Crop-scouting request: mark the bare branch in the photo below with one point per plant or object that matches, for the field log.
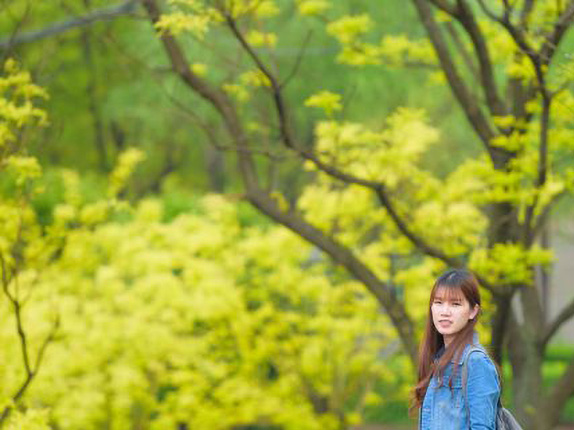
(49, 339)
(297, 61)
(519, 37)
(16, 30)
(125, 8)
(462, 50)
(542, 166)
(21, 335)
(561, 318)
(541, 219)
(555, 37)
(445, 6)
(30, 371)
(468, 21)
(525, 13)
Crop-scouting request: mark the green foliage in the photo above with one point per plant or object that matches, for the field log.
(185, 301)
(158, 327)
(202, 318)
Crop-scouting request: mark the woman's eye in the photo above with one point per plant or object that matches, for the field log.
(456, 304)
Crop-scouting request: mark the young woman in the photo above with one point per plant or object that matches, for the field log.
(453, 312)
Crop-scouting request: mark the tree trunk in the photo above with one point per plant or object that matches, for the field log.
(215, 168)
(526, 359)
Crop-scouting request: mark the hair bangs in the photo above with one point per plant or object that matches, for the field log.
(449, 293)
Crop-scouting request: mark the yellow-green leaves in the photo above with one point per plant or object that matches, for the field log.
(388, 155)
(179, 22)
(455, 227)
(238, 92)
(33, 419)
(393, 50)
(200, 69)
(198, 321)
(255, 78)
(260, 39)
(399, 50)
(313, 7)
(349, 28)
(509, 263)
(189, 16)
(24, 168)
(17, 97)
(326, 100)
(127, 162)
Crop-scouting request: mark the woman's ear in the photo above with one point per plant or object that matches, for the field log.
(474, 312)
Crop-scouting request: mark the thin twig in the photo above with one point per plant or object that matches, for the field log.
(300, 55)
(125, 8)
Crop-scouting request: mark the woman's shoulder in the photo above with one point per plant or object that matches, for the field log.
(479, 361)
(478, 356)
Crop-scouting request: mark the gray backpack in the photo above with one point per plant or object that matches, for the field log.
(504, 419)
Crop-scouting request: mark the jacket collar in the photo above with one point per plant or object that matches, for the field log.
(475, 342)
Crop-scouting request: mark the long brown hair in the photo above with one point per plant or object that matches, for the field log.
(458, 283)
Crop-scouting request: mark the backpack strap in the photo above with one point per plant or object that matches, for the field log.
(464, 376)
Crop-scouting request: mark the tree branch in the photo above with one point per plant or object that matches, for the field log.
(30, 370)
(532, 309)
(377, 187)
(216, 98)
(445, 6)
(564, 315)
(540, 63)
(469, 105)
(297, 61)
(267, 205)
(521, 41)
(461, 49)
(555, 37)
(500, 322)
(343, 256)
(516, 345)
(525, 13)
(419, 243)
(541, 219)
(468, 21)
(125, 8)
(542, 166)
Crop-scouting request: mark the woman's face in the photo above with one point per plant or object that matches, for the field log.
(451, 312)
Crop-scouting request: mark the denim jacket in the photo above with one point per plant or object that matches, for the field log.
(443, 410)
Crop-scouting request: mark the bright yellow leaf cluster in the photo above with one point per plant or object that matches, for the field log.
(508, 264)
(326, 100)
(127, 162)
(313, 7)
(179, 22)
(259, 39)
(200, 321)
(17, 97)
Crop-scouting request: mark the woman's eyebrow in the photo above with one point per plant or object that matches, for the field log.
(450, 299)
